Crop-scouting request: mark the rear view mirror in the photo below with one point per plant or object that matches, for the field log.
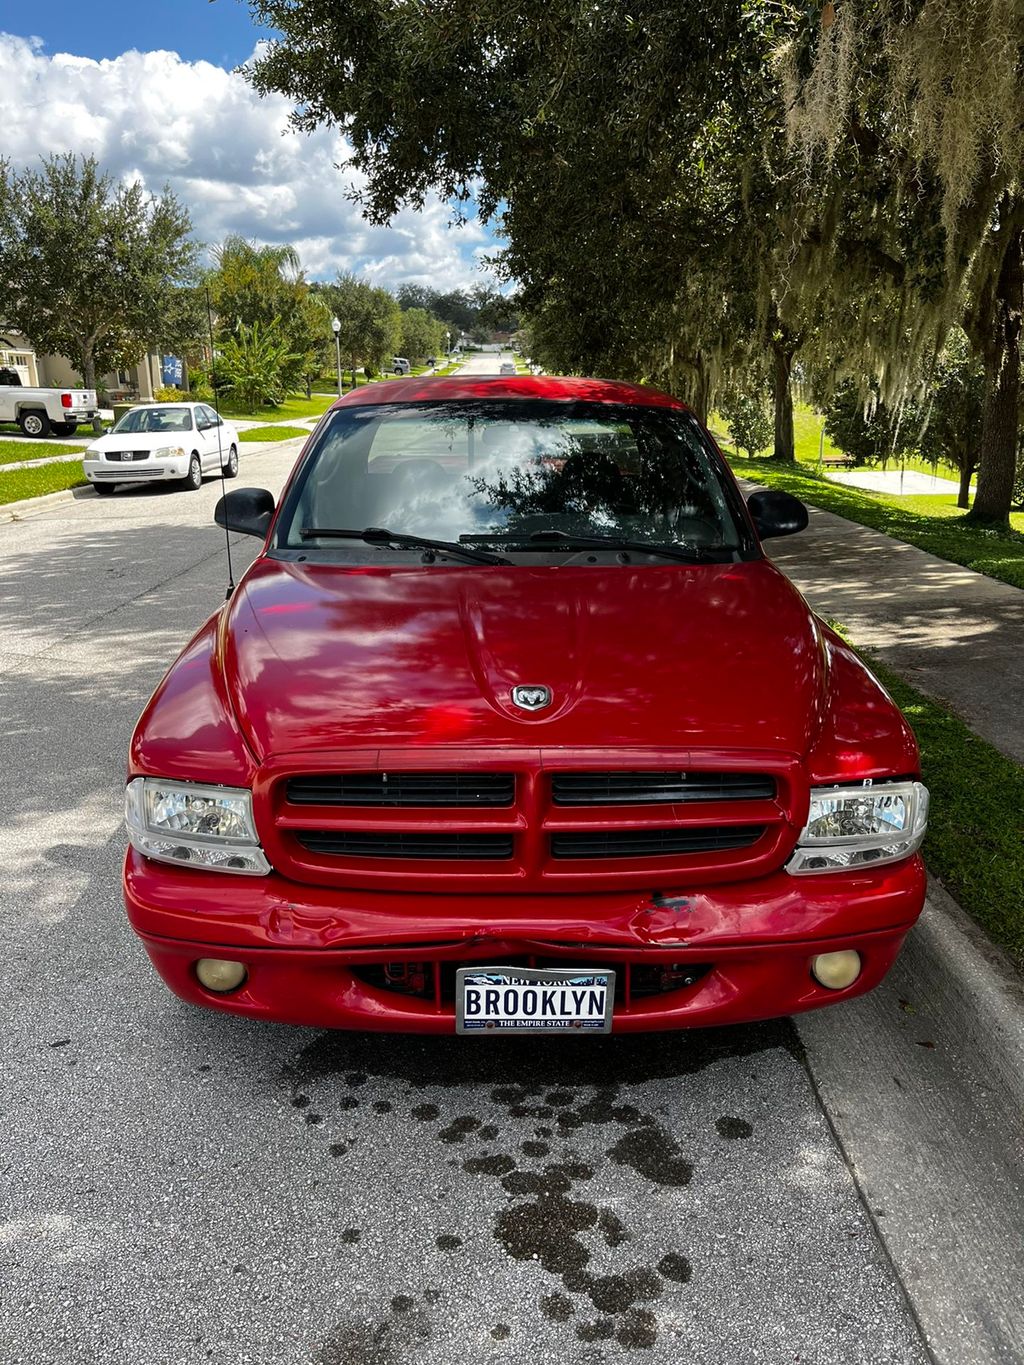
(776, 513)
(246, 510)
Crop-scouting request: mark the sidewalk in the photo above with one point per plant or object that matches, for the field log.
(923, 1079)
(951, 632)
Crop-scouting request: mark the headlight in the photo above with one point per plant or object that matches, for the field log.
(92, 453)
(854, 827)
(181, 822)
(168, 452)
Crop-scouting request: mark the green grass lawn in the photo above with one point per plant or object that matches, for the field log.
(808, 427)
(975, 840)
(45, 478)
(33, 450)
(933, 523)
(272, 433)
(295, 405)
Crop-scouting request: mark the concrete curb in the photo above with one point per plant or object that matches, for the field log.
(972, 985)
(13, 466)
(17, 511)
(922, 1082)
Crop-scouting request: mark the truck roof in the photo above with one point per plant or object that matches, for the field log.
(454, 387)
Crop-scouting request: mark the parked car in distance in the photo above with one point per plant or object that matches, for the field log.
(400, 364)
(431, 359)
(507, 367)
(42, 412)
(163, 442)
(513, 725)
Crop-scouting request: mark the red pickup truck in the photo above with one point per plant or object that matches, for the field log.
(512, 726)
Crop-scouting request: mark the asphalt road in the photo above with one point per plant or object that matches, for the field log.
(180, 1186)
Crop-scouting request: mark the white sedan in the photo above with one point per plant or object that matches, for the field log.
(161, 441)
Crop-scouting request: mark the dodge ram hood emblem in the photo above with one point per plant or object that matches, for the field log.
(531, 698)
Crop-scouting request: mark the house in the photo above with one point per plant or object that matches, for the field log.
(55, 372)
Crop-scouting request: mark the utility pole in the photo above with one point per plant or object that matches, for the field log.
(336, 329)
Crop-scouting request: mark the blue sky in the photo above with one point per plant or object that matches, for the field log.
(151, 92)
(220, 31)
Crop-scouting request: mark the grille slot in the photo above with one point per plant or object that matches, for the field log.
(402, 789)
(653, 843)
(435, 980)
(362, 844)
(648, 788)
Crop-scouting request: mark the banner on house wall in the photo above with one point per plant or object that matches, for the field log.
(171, 370)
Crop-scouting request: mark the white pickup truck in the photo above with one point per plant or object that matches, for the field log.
(41, 411)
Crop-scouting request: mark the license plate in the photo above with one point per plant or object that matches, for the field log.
(533, 1000)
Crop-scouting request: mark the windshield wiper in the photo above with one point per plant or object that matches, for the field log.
(379, 535)
(569, 540)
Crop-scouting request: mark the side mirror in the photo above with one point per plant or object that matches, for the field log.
(246, 510)
(776, 513)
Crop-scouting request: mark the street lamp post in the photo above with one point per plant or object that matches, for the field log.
(336, 329)
(447, 344)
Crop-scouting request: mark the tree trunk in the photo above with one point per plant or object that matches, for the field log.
(88, 368)
(782, 369)
(963, 498)
(998, 463)
(701, 391)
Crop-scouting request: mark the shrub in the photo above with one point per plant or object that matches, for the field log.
(745, 409)
(254, 361)
(169, 394)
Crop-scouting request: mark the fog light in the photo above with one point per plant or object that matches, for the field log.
(217, 975)
(834, 970)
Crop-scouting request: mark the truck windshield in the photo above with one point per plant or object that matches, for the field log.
(154, 419)
(529, 476)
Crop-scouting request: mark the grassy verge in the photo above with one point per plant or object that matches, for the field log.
(294, 406)
(975, 840)
(33, 450)
(809, 442)
(45, 478)
(934, 523)
(272, 433)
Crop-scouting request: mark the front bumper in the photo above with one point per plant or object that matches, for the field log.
(307, 950)
(136, 471)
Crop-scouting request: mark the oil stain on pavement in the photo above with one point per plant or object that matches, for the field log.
(532, 1128)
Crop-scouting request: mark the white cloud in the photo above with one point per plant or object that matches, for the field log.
(227, 154)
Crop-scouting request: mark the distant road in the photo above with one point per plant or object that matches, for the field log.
(485, 362)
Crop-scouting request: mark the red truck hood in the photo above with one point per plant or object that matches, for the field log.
(714, 656)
